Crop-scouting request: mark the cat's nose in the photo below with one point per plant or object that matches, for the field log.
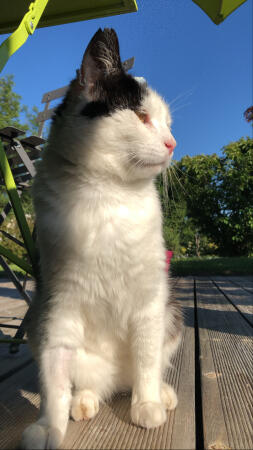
(170, 144)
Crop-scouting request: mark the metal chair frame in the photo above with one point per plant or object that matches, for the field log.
(17, 157)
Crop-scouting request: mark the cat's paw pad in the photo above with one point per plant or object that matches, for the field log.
(40, 437)
(85, 405)
(168, 396)
(148, 414)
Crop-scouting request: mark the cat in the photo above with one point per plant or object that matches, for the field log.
(102, 319)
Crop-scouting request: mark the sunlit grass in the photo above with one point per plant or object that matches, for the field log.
(212, 266)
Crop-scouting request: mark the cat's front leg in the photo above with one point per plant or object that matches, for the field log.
(147, 409)
(48, 432)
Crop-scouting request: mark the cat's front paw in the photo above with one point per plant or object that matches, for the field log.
(148, 414)
(85, 405)
(41, 437)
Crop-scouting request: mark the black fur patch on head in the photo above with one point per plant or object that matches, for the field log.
(103, 79)
(95, 109)
(120, 91)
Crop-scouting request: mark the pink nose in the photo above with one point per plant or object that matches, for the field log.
(170, 144)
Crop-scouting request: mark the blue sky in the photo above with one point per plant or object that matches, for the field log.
(203, 70)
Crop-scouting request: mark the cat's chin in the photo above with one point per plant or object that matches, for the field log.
(155, 167)
(151, 170)
(150, 165)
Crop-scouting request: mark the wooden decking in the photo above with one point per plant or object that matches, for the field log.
(212, 374)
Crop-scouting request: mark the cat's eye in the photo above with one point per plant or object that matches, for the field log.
(144, 117)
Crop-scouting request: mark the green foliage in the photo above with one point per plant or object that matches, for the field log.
(236, 185)
(10, 226)
(13, 113)
(31, 119)
(11, 108)
(217, 197)
(181, 234)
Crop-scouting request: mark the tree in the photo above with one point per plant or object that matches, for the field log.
(236, 185)
(174, 211)
(11, 108)
(180, 232)
(11, 111)
(220, 196)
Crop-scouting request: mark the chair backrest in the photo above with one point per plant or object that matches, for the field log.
(48, 112)
(21, 152)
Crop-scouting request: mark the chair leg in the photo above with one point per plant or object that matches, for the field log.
(14, 346)
(15, 280)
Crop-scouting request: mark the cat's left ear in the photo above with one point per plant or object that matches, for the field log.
(100, 61)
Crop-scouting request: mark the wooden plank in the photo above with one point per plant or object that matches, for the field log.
(226, 370)
(242, 278)
(238, 280)
(18, 406)
(244, 282)
(12, 362)
(183, 434)
(12, 306)
(12, 311)
(240, 298)
(9, 292)
(112, 427)
(17, 313)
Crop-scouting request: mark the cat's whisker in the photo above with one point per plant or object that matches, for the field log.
(172, 168)
(177, 206)
(172, 174)
(189, 192)
(183, 95)
(165, 188)
(134, 162)
(184, 175)
(171, 187)
(180, 107)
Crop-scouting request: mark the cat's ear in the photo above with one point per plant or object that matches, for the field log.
(101, 60)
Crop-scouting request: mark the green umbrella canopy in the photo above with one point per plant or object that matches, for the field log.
(24, 16)
(62, 11)
(218, 10)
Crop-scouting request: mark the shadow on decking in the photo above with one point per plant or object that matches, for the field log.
(15, 399)
(7, 292)
(222, 321)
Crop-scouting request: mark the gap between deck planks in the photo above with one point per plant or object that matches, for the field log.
(112, 427)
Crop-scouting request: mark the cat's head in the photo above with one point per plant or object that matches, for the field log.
(110, 122)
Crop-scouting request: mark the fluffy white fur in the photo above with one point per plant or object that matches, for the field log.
(102, 320)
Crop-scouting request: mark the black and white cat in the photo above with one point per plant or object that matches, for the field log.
(102, 319)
